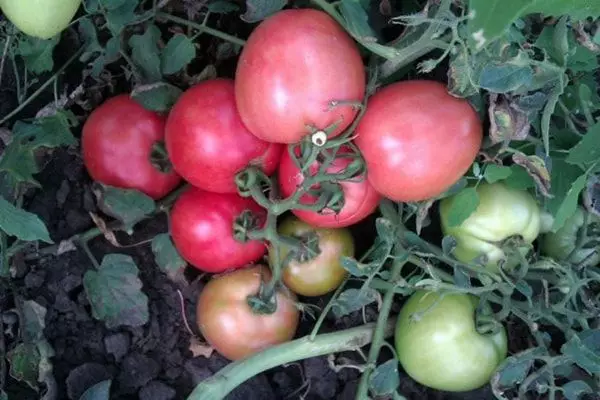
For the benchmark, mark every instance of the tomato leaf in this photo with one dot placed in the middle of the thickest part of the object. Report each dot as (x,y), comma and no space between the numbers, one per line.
(519,178)
(100,391)
(569,204)
(584,349)
(257,10)
(22,224)
(89,35)
(587,151)
(461,277)
(352,300)
(160,96)
(222,7)
(536,168)
(127,205)
(119,13)
(24,362)
(385,379)
(504,78)
(166,256)
(145,53)
(464,204)
(494,173)
(574,390)
(115,294)
(514,369)
(553,98)
(177,54)
(37,53)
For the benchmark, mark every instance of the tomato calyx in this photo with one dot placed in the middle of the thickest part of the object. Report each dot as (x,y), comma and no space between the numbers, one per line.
(159,157)
(246,227)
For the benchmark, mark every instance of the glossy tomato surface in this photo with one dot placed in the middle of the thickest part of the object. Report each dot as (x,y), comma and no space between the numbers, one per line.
(228,323)
(202,230)
(293,65)
(360,198)
(417,139)
(117,141)
(40,18)
(207,141)
(438,345)
(321,274)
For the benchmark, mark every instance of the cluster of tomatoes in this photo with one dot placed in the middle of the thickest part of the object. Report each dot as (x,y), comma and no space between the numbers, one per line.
(300,82)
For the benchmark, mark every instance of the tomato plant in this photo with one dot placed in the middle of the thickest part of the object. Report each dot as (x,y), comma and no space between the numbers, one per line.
(359,201)
(122,147)
(313,275)
(40,18)
(299,61)
(207,141)
(438,344)
(502,212)
(417,139)
(230,325)
(202,227)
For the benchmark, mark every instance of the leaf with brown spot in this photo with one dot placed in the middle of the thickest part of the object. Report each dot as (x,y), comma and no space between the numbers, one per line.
(507,122)
(536,168)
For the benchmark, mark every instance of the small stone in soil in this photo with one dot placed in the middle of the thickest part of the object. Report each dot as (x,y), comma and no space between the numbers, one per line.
(35,279)
(156,390)
(257,388)
(117,345)
(197,370)
(349,392)
(136,371)
(85,376)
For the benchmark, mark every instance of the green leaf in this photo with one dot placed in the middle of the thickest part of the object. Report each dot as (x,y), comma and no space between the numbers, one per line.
(115,294)
(222,7)
(356,268)
(569,204)
(100,391)
(576,9)
(160,96)
(574,390)
(494,173)
(177,54)
(89,35)
(463,205)
(587,151)
(145,53)
(357,19)
(166,255)
(127,205)
(37,53)
(584,349)
(22,224)
(257,10)
(553,98)
(504,78)
(385,379)
(34,321)
(562,177)
(120,13)
(352,300)
(24,362)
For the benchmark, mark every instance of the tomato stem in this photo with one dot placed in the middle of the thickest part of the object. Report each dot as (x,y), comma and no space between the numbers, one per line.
(218,386)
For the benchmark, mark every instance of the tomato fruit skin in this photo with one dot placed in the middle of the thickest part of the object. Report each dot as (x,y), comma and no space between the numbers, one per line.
(293,65)
(443,350)
(360,198)
(207,141)
(40,18)
(322,274)
(228,323)
(202,230)
(502,212)
(117,141)
(561,245)
(417,139)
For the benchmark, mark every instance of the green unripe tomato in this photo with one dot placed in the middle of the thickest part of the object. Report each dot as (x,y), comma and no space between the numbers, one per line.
(441,348)
(560,245)
(40,18)
(502,212)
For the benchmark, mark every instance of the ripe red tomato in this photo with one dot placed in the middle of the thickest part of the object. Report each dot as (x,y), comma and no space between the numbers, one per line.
(360,199)
(321,274)
(293,65)
(202,230)
(228,323)
(207,141)
(417,139)
(117,141)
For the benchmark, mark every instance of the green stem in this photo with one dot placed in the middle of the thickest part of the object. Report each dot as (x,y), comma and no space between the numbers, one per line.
(43,87)
(218,386)
(213,32)
(379,336)
(89,253)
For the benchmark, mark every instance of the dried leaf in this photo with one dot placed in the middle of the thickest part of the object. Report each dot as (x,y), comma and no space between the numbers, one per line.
(108,234)
(536,168)
(422,219)
(65,246)
(199,348)
(507,122)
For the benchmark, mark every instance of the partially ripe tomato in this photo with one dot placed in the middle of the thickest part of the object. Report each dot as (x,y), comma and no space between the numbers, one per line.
(207,141)
(40,18)
(438,344)
(228,323)
(202,229)
(417,139)
(293,65)
(118,145)
(360,199)
(321,274)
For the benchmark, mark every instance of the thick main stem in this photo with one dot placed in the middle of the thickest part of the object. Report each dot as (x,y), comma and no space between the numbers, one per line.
(223,382)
